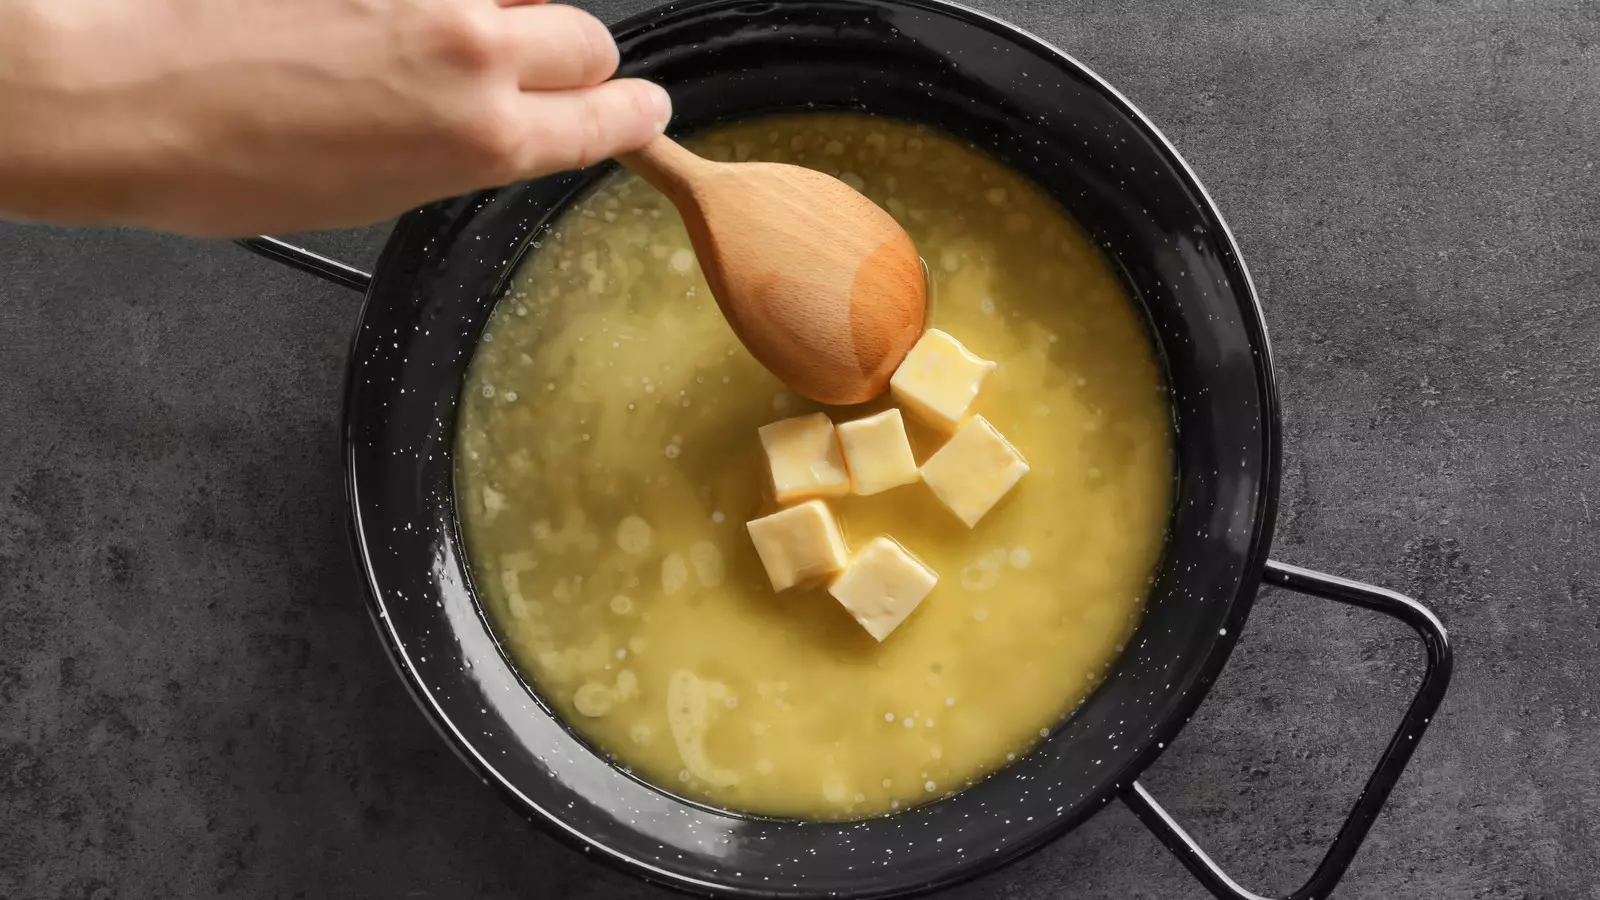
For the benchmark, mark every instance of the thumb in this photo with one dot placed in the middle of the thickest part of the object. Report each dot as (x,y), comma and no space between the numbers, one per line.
(577,128)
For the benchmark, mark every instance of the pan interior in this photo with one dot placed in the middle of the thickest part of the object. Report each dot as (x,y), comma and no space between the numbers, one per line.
(608,460)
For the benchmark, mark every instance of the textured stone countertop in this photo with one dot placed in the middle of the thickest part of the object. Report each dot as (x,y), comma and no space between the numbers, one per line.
(193,702)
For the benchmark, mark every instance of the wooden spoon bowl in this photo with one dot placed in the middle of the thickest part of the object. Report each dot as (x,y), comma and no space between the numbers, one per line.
(821,284)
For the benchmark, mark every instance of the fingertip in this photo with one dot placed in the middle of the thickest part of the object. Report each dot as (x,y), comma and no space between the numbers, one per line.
(641,110)
(603,54)
(658,102)
(560,47)
(574,129)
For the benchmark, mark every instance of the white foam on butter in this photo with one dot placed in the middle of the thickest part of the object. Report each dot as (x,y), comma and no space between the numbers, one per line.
(633,535)
(514,599)
(984,573)
(674,574)
(707,562)
(689,717)
(493,502)
(592,699)
(626,687)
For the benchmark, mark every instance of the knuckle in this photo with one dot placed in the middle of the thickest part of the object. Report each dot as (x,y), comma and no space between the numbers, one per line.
(466,39)
(601,55)
(589,144)
(493,141)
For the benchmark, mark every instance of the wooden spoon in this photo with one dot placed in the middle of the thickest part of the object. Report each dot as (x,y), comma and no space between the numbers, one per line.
(824,287)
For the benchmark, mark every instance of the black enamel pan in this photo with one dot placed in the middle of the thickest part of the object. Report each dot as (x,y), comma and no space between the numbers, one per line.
(1048,116)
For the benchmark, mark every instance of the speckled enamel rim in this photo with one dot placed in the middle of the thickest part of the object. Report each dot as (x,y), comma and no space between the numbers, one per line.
(1221,645)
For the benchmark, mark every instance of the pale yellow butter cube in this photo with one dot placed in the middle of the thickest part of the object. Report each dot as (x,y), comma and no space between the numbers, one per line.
(939,379)
(803,454)
(877,453)
(798,544)
(882,585)
(973,470)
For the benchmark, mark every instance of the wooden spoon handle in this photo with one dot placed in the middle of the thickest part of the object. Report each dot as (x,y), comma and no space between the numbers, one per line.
(667,166)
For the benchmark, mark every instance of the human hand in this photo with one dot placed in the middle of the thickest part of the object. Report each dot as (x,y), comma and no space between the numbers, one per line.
(232,117)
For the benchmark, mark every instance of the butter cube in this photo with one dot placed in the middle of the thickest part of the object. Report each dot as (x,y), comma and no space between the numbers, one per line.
(939,379)
(803,454)
(973,470)
(877,453)
(882,585)
(798,544)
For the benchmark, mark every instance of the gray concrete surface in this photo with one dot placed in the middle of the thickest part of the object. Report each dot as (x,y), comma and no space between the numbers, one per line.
(192,703)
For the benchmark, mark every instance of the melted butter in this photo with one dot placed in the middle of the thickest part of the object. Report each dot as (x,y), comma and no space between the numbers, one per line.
(604,507)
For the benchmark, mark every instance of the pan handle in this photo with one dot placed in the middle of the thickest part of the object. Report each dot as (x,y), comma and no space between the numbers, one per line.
(1435,678)
(296,257)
